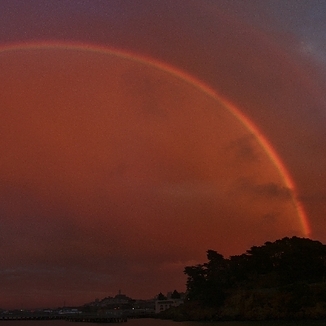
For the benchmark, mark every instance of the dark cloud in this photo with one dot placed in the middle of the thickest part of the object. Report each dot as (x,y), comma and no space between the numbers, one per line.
(266,190)
(272,190)
(244,149)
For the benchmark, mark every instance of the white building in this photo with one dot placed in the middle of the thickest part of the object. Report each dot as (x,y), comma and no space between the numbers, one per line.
(161,305)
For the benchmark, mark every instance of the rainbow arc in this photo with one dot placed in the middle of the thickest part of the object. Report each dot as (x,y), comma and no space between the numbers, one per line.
(244,120)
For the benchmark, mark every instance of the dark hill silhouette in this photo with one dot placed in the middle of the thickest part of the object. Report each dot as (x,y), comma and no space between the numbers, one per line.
(278,280)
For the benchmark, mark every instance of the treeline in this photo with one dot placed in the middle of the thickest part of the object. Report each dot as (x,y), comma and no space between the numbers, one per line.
(281,279)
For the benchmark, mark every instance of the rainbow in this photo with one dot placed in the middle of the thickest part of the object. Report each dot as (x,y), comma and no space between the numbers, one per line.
(247,123)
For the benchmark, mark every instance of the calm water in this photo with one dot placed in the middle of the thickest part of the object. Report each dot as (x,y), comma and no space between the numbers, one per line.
(155,322)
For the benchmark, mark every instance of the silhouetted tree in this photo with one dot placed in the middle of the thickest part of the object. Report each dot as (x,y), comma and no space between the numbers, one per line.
(175,295)
(289,261)
(206,283)
(196,281)
(161,296)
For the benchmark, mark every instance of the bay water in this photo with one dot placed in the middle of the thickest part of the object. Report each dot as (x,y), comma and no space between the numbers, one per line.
(158,322)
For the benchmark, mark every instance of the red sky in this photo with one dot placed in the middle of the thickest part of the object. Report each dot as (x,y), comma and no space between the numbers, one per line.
(116,174)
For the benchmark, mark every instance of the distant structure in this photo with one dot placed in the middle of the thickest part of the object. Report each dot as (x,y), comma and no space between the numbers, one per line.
(161,305)
(174,299)
(134,307)
(120,301)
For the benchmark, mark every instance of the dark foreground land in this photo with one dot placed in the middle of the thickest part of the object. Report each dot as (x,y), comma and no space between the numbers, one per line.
(280,280)
(89,318)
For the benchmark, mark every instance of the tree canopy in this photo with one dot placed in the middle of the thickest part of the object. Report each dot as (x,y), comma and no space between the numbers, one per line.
(288,261)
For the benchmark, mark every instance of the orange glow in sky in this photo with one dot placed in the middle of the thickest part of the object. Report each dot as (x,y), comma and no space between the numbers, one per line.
(137,135)
(111,159)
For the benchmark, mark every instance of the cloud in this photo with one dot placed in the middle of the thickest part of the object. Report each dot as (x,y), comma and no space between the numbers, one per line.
(272,190)
(244,148)
(317,197)
(268,190)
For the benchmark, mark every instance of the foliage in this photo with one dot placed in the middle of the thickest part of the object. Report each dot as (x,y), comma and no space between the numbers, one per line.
(175,295)
(292,265)
(161,296)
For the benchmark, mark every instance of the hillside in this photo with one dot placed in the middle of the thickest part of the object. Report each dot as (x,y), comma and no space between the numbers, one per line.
(284,279)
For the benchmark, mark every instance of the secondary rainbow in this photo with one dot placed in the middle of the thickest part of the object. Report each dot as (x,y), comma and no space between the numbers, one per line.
(272,154)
